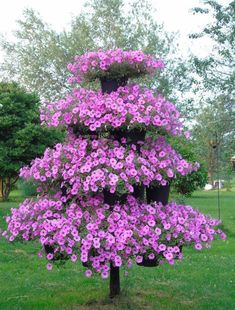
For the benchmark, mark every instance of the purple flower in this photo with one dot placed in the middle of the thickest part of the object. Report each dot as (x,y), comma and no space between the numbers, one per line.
(162,247)
(49,266)
(198,246)
(88,273)
(50,256)
(151,256)
(74,258)
(104,274)
(139,259)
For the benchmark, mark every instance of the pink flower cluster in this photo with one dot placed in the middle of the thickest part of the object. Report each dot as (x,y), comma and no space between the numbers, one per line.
(98,63)
(95,233)
(129,106)
(90,165)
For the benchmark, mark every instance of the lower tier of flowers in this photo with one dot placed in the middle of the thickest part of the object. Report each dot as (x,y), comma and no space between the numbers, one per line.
(96,234)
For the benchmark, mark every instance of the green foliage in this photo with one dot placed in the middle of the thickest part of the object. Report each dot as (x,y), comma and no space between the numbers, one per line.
(21,136)
(28,188)
(215,124)
(228,186)
(186,185)
(217,71)
(216,119)
(190,183)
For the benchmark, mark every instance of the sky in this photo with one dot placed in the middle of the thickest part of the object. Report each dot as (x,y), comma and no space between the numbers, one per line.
(175,15)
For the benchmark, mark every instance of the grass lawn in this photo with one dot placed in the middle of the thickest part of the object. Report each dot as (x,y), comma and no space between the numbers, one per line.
(203,280)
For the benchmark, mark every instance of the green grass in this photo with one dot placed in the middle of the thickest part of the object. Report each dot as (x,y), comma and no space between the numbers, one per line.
(203,280)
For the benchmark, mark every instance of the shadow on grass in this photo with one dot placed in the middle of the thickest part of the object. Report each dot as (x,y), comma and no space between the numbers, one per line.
(126,300)
(137,299)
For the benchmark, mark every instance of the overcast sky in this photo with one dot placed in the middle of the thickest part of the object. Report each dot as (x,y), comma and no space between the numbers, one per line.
(174,14)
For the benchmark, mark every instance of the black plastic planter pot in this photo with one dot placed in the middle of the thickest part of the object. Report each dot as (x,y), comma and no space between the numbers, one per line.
(132,136)
(135,135)
(119,134)
(139,191)
(113,198)
(110,85)
(84,132)
(158,194)
(149,262)
(64,192)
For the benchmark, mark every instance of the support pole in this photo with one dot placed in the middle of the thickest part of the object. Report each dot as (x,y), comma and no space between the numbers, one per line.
(218,178)
(114,284)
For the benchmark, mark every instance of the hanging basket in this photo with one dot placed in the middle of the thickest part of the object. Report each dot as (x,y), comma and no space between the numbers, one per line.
(158,194)
(149,262)
(85,131)
(132,136)
(139,191)
(110,85)
(113,198)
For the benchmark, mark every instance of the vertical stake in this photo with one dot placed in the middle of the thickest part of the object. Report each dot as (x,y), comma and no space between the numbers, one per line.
(218,177)
(114,283)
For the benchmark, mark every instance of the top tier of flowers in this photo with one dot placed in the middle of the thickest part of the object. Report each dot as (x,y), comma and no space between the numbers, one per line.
(112,64)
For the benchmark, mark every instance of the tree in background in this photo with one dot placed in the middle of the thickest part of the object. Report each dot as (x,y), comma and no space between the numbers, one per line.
(38,56)
(216,119)
(21,136)
(218,70)
(214,137)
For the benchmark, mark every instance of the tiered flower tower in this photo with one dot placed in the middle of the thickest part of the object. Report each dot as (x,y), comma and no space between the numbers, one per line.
(103,193)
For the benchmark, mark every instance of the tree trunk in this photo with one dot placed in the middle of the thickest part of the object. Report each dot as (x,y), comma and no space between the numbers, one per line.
(210,176)
(7,186)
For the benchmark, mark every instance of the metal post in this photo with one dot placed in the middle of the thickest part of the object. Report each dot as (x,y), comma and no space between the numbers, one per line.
(218,176)
(114,281)
(215,145)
